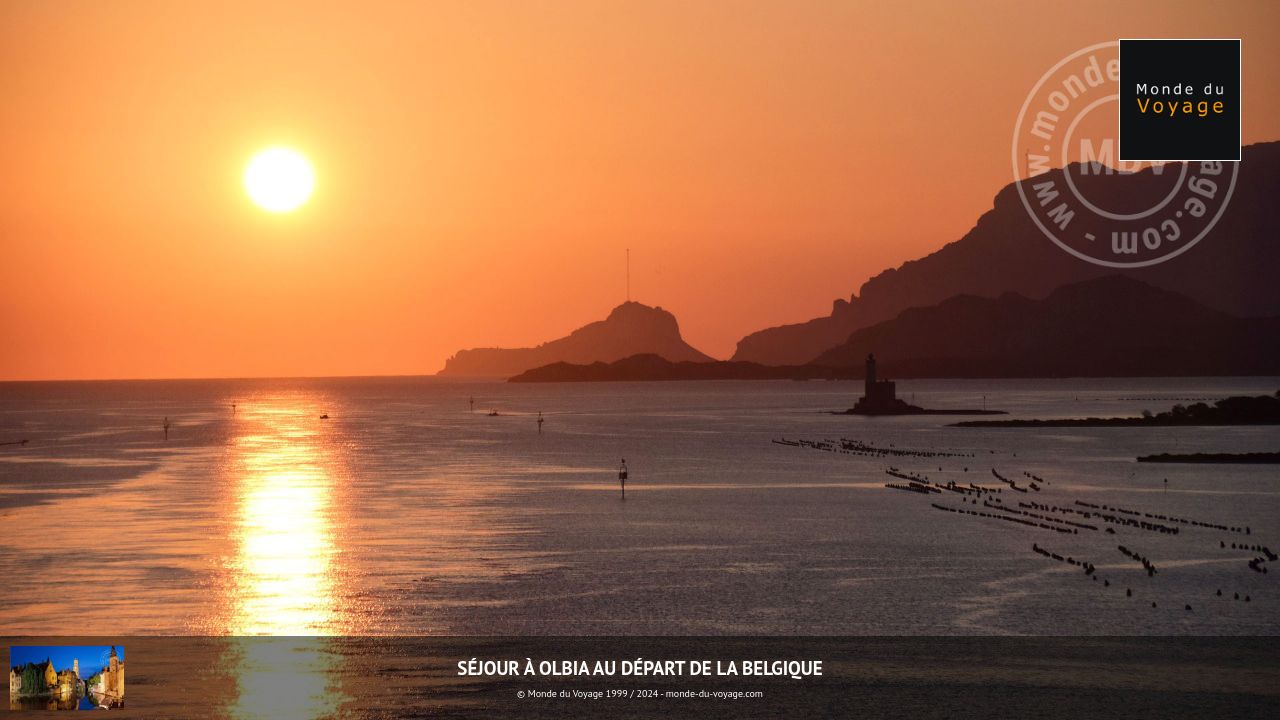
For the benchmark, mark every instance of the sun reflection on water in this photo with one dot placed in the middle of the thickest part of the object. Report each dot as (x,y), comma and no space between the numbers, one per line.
(284,563)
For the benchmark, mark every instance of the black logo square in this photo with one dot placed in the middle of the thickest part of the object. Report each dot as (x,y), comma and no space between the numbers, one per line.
(1179,100)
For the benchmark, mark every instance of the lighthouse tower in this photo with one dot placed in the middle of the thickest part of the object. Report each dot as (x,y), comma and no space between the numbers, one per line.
(880,397)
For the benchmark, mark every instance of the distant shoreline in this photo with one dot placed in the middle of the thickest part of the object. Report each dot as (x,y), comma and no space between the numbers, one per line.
(1260,410)
(651,368)
(1260,458)
(1109,422)
(920,411)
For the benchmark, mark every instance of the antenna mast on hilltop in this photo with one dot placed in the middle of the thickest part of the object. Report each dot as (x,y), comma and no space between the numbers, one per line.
(628,274)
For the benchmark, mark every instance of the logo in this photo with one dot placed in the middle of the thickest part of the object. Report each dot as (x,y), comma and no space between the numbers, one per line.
(1082,196)
(1179,100)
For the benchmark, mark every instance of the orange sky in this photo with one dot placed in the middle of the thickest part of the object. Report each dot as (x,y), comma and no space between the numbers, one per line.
(481,167)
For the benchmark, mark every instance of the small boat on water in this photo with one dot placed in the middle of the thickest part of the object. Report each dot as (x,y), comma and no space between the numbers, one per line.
(325,416)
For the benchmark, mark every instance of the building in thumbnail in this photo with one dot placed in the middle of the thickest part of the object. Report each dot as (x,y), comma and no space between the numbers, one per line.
(69,679)
(111,680)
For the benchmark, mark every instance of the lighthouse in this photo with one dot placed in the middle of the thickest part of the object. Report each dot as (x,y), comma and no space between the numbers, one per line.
(879,396)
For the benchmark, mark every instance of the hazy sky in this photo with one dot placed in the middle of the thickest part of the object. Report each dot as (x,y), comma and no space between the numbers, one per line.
(92,657)
(481,167)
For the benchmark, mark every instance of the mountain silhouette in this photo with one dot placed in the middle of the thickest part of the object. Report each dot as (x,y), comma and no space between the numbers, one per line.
(1113,326)
(1231,270)
(631,329)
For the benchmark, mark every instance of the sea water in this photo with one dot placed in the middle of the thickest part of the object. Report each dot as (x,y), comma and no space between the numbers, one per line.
(412,510)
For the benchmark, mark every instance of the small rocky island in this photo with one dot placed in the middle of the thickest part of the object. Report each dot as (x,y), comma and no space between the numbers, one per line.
(880,397)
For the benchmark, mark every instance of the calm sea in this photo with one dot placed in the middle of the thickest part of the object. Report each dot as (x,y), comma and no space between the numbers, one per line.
(406,512)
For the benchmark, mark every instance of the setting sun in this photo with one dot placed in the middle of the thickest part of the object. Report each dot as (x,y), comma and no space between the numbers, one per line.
(279,179)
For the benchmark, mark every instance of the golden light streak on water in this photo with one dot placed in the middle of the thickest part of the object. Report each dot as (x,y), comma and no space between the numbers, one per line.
(283,567)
